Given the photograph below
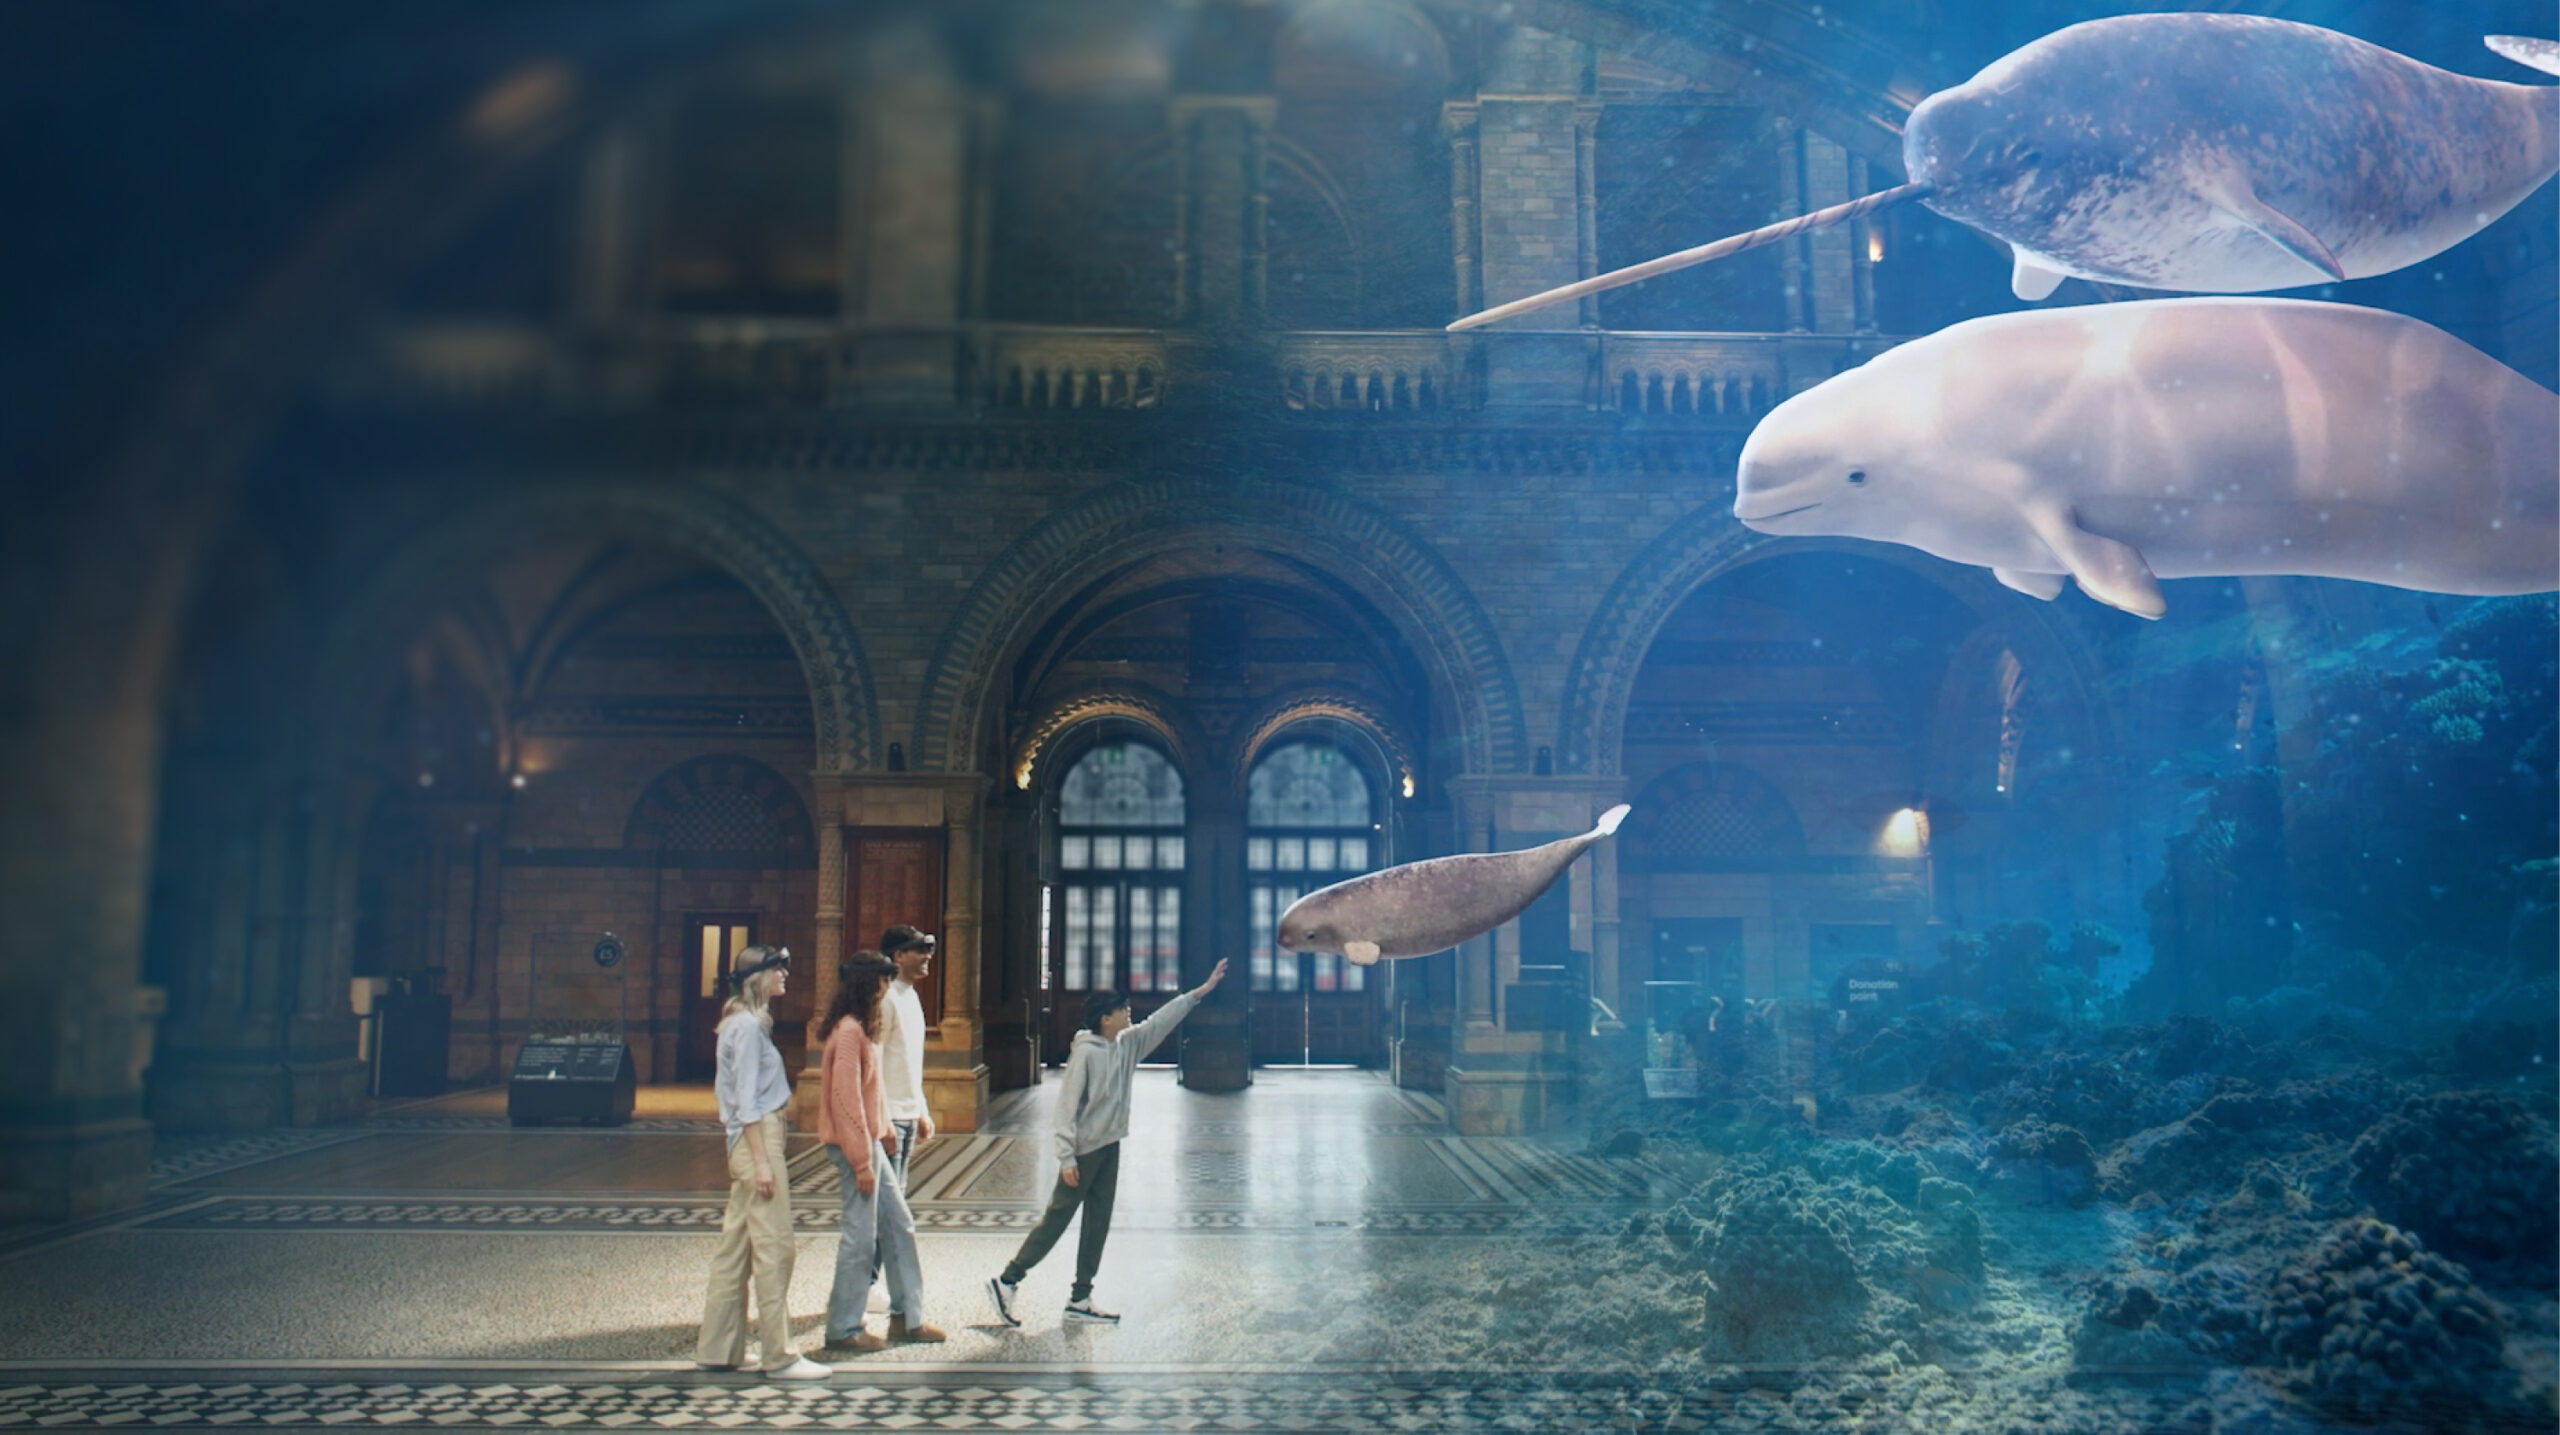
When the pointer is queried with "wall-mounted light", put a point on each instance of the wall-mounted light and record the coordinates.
(1875, 245)
(1408, 784)
(1022, 775)
(516, 781)
(1906, 834)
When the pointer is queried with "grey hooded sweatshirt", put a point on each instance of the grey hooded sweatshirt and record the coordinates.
(1093, 1099)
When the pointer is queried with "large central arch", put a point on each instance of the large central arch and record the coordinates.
(1129, 522)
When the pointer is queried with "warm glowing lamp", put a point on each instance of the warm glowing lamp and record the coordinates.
(1906, 833)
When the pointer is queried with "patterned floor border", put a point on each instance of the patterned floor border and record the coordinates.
(566, 1215)
(978, 1399)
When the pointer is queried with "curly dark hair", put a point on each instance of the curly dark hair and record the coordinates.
(861, 980)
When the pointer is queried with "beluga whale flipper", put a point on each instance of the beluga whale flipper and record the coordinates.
(2169, 438)
(2201, 153)
(1418, 908)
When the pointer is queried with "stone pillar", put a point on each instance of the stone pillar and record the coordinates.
(79, 766)
(909, 808)
(1217, 1040)
(827, 788)
(904, 192)
(1458, 122)
(1530, 167)
(1862, 247)
(1830, 267)
(1504, 1083)
(603, 287)
(1794, 255)
(1221, 249)
(279, 1048)
(1586, 201)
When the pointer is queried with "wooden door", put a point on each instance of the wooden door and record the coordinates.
(712, 941)
(894, 876)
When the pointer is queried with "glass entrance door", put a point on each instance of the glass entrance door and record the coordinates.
(712, 941)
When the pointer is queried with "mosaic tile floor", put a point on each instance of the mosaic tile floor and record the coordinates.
(313, 1279)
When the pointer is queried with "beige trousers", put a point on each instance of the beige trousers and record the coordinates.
(756, 1245)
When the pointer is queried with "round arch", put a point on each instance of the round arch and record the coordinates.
(1053, 737)
(682, 516)
(1358, 545)
(1286, 717)
(1708, 543)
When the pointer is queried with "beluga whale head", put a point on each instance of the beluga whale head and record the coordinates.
(1863, 455)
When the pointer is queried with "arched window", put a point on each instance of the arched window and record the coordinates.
(1120, 858)
(1309, 823)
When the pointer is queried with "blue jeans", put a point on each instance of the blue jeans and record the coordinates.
(879, 1222)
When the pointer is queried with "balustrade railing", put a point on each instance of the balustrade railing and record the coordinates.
(1375, 371)
(1719, 379)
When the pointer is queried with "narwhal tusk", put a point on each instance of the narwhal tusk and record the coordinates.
(1767, 234)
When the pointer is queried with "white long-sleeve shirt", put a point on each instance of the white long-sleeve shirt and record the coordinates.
(902, 1037)
(1093, 1099)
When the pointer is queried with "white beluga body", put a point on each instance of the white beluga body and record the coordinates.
(1418, 908)
(2172, 438)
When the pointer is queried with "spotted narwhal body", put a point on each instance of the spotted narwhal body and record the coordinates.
(1429, 906)
(2199, 153)
(2165, 438)
(2226, 154)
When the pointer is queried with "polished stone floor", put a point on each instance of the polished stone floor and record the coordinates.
(434, 1265)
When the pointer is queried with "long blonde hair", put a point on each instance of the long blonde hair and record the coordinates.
(755, 993)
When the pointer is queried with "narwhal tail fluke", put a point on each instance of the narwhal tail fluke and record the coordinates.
(1767, 234)
(2543, 55)
(1607, 826)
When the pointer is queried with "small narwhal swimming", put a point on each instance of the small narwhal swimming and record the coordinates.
(2201, 153)
(1430, 906)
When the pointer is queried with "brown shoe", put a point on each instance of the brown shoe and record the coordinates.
(923, 1334)
(860, 1340)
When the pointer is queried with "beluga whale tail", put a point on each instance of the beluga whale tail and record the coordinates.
(1418, 908)
(2200, 153)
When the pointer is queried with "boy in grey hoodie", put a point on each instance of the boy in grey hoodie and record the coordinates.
(1092, 1116)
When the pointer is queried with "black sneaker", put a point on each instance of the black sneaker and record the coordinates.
(1004, 1292)
(1085, 1312)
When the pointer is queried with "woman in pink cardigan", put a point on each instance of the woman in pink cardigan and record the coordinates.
(853, 1121)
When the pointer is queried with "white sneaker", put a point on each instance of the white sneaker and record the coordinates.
(802, 1368)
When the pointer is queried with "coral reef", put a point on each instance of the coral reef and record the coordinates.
(2472, 1172)
(2377, 1327)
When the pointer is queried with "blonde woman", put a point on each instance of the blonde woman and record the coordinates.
(755, 1232)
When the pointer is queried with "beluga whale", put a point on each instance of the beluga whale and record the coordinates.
(2119, 444)
(1418, 908)
(2200, 153)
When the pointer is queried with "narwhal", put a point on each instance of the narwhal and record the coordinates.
(2119, 444)
(2201, 153)
(1429, 906)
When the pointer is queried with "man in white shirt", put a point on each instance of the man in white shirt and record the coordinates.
(902, 1036)
(902, 1064)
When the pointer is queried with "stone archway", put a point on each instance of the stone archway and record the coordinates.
(1359, 545)
(681, 516)
(1698, 548)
